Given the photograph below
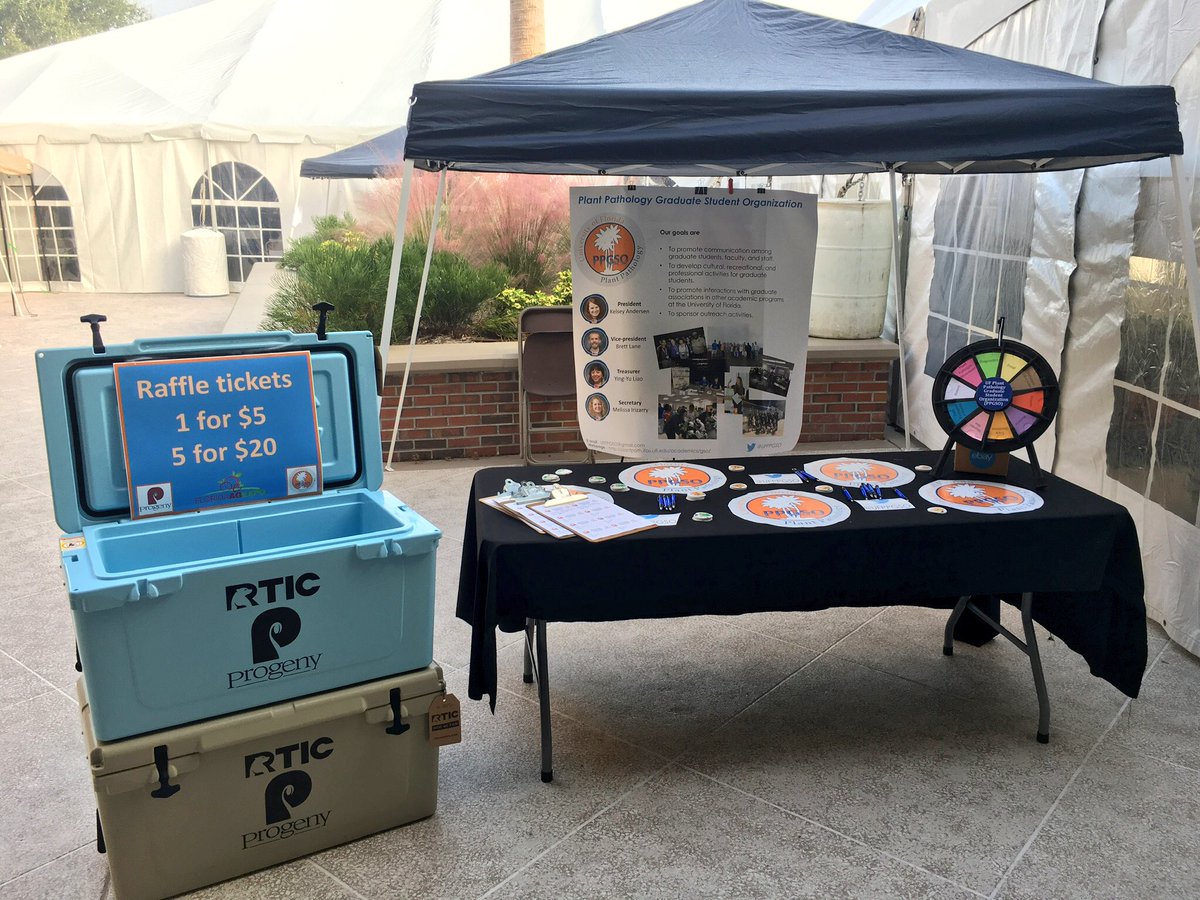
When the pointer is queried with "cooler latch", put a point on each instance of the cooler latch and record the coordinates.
(398, 726)
(322, 309)
(94, 320)
(162, 763)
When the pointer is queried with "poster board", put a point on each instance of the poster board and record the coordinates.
(691, 318)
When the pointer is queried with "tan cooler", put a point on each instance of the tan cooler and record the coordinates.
(186, 807)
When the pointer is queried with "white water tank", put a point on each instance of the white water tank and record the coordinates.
(205, 273)
(853, 264)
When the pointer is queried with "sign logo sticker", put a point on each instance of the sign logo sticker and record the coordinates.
(302, 480)
(610, 248)
(153, 499)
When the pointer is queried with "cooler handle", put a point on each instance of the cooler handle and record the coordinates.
(379, 549)
(152, 590)
(264, 340)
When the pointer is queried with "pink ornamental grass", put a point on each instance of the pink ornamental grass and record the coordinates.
(518, 221)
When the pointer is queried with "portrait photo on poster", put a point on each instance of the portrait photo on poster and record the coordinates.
(595, 342)
(597, 406)
(595, 373)
(594, 308)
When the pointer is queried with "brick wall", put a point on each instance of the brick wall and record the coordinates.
(474, 414)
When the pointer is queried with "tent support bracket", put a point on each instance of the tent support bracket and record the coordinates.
(389, 310)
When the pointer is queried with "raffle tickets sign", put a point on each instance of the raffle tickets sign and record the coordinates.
(217, 431)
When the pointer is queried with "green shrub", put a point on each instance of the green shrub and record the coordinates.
(499, 318)
(338, 264)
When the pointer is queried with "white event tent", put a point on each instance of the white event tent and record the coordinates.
(132, 132)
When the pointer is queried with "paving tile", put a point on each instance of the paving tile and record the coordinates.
(18, 498)
(297, 880)
(17, 683)
(45, 776)
(1128, 826)
(944, 783)
(659, 683)
(817, 630)
(40, 633)
(494, 813)
(907, 641)
(1165, 719)
(682, 835)
(81, 873)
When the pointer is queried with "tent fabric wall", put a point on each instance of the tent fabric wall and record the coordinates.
(116, 189)
(1056, 33)
(1123, 211)
(129, 120)
(1126, 211)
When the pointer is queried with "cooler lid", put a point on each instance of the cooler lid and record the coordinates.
(83, 430)
(372, 699)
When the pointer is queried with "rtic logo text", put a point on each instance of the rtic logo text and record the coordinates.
(268, 762)
(241, 596)
(286, 791)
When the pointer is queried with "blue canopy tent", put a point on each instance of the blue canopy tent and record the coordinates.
(370, 159)
(744, 87)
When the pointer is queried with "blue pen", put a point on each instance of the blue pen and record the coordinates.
(849, 497)
(900, 494)
(862, 489)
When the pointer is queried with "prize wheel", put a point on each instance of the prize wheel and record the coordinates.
(996, 396)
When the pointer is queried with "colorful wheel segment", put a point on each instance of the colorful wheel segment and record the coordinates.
(995, 397)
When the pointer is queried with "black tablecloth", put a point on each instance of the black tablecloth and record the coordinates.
(1078, 554)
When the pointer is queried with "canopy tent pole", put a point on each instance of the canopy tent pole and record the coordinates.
(412, 343)
(1188, 238)
(898, 287)
(389, 309)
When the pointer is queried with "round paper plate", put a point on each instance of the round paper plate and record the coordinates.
(672, 478)
(851, 471)
(789, 509)
(987, 497)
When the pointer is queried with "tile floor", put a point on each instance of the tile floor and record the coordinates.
(834, 754)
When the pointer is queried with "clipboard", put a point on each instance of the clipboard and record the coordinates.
(594, 520)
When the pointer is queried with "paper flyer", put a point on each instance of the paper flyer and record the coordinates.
(691, 318)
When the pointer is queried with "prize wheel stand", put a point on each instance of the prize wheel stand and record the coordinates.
(995, 396)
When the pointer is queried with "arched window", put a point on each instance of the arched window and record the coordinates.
(40, 228)
(246, 210)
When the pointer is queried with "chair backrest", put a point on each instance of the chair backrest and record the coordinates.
(547, 347)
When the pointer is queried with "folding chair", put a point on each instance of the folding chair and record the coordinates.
(545, 368)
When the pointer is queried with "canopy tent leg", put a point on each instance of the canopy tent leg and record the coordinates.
(1188, 238)
(898, 287)
(389, 306)
(412, 341)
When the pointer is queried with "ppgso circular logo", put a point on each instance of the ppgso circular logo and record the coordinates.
(608, 247)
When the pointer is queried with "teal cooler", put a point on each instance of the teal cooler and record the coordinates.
(186, 617)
